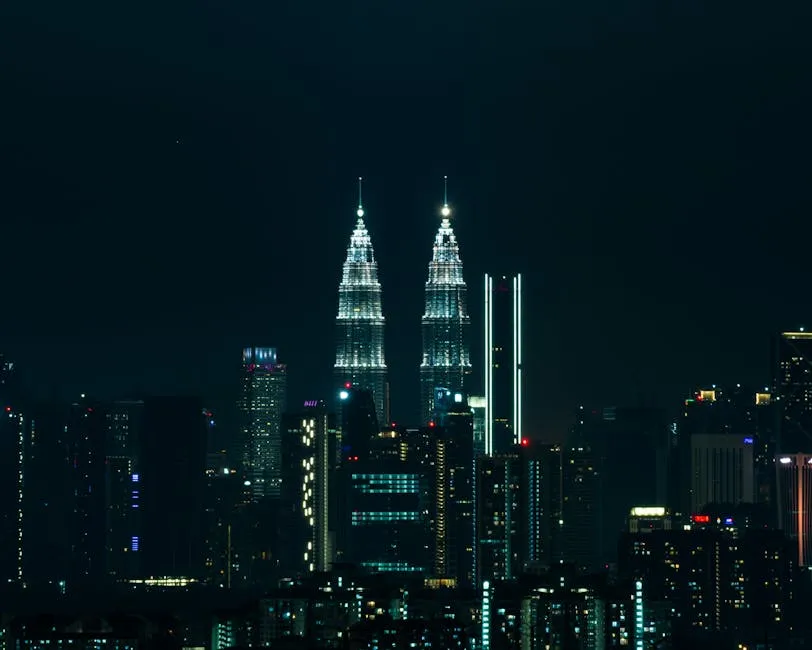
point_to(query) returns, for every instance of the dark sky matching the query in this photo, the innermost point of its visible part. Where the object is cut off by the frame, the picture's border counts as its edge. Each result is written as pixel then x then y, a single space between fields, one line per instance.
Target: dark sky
pixel 177 180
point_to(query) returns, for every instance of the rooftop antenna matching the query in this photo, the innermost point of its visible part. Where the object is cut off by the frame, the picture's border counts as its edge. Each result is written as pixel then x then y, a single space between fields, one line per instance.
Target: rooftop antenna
pixel 446 211
pixel 360 211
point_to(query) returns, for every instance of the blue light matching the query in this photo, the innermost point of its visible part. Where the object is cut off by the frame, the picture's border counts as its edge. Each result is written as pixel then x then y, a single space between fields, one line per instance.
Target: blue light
pixel 748 441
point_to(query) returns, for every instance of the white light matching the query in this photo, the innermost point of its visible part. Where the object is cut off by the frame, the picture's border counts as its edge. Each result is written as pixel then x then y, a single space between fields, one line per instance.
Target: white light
pixel 445 211
pixel 458 397
pixel 648 511
pixel 343 394
pixel 360 212
pixel 786 460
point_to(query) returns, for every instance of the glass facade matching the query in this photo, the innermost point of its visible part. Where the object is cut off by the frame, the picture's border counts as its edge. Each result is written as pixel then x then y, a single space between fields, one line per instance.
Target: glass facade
pixel 446 357
pixel 360 322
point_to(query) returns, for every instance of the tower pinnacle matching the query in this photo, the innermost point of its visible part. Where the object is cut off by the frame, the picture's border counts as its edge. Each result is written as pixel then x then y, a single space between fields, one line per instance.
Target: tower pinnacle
pixel 360 211
pixel 446 211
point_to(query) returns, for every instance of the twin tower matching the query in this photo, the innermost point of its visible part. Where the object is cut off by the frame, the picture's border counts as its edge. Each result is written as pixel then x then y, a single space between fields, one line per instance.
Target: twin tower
pixel 360 357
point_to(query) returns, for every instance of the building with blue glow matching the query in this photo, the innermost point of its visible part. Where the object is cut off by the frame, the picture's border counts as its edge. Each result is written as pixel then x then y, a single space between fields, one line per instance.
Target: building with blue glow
pixel 387 529
pixel 360 323
pixel 446 356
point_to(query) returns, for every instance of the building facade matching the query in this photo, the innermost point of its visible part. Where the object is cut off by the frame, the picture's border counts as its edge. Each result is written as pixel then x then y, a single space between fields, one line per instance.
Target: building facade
pixel 262 403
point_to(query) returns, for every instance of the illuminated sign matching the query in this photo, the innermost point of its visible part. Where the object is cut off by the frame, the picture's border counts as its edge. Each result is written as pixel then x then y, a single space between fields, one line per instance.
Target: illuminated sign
pixel 728 521
pixel 700 519
pixel 311 403
pixel 748 441
pixel 648 511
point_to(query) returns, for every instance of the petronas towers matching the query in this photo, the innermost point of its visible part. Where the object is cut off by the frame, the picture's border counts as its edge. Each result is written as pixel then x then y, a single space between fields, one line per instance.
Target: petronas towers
pixel 360 357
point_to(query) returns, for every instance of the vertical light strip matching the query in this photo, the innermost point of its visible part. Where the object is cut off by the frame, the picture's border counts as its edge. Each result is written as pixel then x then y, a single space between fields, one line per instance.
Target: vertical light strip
pixel 488 366
pixel 639 616
pixel 517 358
pixel 486 616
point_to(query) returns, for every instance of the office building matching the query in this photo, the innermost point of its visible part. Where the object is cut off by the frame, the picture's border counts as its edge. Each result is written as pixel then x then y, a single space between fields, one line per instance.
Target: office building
pixel 386 528
pixel 721 469
pixel 316 466
pixel 453 524
pixel 262 403
pixel 446 357
pixel 581 530
pixel 360 358
pixel 498 541
pixel 542 504
pixel 503 362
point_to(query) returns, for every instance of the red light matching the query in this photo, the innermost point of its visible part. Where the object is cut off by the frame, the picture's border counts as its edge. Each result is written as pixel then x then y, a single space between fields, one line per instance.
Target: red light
pixel 8 409
pixel 700 519
pixel 348 385
pixel 431 424
pixel 525 442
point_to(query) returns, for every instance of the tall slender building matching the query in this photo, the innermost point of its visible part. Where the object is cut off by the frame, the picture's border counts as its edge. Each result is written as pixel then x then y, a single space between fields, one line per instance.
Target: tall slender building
pixel 446 359
pixel 503 363
pixel 360 322
pixel 263 400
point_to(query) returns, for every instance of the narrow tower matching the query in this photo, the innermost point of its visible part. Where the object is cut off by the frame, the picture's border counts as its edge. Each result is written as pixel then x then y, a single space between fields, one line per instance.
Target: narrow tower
pixel 446 359
pixel 503 363
pixel 360 323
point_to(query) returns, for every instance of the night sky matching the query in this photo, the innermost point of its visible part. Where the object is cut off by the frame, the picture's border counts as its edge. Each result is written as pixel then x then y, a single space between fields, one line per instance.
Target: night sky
pixel 177 180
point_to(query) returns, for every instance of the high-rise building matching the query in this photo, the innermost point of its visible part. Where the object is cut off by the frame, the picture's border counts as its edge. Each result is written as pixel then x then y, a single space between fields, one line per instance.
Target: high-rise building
pixel 498 543
pixel 794 480
pixel 721 469
pixel 171 488
pixel 454 494
pixel 542 483
pixel 581 531
pixel 87 435
pixel 316 465
pixel 262 403
pixel 742 414
pixel 15 434
pixel 123 428
pixel 446 356
pixel 360 323
pixel 792 390
pixel 503 362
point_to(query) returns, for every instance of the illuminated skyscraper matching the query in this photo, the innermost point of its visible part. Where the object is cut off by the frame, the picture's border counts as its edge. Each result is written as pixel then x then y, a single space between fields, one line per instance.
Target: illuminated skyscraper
pixel 446 360
pixel 359 342
pixel 503 363
pixel 263 399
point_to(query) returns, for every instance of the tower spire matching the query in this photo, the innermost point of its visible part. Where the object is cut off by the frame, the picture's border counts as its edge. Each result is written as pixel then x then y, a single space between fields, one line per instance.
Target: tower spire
pixel 360 211
pixel 446 211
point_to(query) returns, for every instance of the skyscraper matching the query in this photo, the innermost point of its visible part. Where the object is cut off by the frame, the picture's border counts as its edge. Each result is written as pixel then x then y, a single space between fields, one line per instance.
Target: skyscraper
pixel 792 390
pixel 360 322
pixel 446 360
pixel 503 363
pixel 264 391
